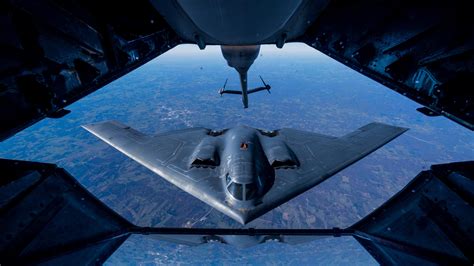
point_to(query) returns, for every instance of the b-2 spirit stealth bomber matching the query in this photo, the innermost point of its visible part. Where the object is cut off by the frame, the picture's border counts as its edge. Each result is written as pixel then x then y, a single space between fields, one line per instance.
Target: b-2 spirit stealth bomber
pixel 244 172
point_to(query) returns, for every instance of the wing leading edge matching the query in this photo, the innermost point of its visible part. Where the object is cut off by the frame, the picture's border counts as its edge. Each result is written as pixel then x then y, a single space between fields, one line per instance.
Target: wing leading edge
pixel 320 157
pixel 170 156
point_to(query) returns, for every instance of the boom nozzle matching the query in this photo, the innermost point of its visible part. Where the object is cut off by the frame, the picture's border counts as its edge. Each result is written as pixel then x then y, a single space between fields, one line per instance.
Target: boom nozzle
pixel 221 90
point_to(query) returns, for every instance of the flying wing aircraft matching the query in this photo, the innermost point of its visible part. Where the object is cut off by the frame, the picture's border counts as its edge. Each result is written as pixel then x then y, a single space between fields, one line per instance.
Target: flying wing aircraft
pixel 244 172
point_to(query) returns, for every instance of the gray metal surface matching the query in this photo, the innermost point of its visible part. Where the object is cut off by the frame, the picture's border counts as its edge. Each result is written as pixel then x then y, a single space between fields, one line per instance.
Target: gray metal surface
pixel 241 171
pixel 56 52
pixel 242 22
pixel 241 58
pixel 239 241
pixel 424 50
pixel 429 222
pixel 48 218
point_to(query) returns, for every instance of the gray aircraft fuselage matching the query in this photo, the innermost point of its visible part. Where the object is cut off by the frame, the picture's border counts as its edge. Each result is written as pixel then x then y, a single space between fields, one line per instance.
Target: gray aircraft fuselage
pixel 248 174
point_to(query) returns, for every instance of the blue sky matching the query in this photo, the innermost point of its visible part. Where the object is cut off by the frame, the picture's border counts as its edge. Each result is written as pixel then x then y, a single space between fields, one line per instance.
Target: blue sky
pixel 295 49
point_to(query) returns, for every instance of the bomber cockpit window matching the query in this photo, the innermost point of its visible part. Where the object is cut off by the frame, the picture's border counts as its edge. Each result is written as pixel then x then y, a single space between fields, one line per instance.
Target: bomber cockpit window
pixel 235 190
pixel 241 191
pixel 250 191
pixel 227 179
